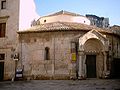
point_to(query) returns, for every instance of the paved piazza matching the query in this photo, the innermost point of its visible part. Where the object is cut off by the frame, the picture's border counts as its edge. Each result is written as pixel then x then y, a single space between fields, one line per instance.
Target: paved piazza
pixel 92 84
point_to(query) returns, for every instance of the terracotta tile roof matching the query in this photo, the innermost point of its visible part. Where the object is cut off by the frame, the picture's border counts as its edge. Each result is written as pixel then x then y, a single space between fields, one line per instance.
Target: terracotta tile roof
pixel 62 26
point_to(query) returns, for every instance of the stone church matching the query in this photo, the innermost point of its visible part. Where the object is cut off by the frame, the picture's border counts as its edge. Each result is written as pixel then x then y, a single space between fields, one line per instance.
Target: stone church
pixel 59 46
pixel 62 45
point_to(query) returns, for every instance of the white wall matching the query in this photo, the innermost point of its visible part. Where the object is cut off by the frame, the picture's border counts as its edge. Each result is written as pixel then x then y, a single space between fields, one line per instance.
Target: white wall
pixel 65 18
pixel 27 13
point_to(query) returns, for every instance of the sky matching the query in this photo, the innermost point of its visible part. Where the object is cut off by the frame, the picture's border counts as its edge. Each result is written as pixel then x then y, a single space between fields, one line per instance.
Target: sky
pixel 103 8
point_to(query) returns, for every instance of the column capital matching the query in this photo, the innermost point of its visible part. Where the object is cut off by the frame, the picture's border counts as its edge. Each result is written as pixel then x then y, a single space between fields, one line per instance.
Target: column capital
pixel 81 52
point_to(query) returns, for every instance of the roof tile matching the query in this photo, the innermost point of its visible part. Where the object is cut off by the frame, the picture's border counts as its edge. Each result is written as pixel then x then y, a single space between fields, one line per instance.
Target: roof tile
pixel 62 26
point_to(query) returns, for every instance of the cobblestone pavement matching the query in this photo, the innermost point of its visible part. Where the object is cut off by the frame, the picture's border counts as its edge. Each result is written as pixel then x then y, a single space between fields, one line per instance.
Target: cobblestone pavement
pixel 93 84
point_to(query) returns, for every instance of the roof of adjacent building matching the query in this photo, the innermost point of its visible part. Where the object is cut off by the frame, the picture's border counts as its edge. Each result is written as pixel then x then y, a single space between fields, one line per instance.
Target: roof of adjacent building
pixel 115 29
pixel 62 26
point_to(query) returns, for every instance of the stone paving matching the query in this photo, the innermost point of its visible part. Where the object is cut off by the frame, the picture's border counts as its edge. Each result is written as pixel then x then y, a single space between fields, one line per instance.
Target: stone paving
pixel 92 84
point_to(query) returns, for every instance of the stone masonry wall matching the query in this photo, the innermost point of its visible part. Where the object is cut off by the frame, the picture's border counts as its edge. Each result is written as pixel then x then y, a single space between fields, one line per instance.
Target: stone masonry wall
pixel 33 49
pixel 60 66
pixel 8 44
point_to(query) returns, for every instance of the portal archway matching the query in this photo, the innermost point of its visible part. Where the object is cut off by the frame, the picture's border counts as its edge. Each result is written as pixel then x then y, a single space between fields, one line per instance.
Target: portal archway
pixel 93 45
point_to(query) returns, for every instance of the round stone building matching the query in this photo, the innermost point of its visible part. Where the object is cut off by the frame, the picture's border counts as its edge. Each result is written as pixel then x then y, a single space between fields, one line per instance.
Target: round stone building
pixel 60 48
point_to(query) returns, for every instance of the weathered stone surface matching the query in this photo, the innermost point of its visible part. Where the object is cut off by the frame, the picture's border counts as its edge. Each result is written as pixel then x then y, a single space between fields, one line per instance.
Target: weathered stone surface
pixel 60 65
pixel 8 44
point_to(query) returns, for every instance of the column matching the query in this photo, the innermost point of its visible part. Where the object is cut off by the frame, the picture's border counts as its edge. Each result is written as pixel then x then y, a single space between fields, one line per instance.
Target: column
pixel 106 73
pixel 81 66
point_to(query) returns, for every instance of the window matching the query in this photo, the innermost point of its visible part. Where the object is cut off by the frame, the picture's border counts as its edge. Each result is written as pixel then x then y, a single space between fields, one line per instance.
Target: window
pixel 47 53
pixel 2 56
pixel 2 29
pixel 44 20
pixel 3 4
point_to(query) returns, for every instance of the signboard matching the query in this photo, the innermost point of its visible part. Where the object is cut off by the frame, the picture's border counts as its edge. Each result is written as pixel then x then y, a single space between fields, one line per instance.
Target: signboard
pixel 73 56
pixel 19 73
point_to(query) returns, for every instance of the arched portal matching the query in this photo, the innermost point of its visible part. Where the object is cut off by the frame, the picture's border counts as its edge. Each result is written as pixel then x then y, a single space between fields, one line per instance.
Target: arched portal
pixel 93 47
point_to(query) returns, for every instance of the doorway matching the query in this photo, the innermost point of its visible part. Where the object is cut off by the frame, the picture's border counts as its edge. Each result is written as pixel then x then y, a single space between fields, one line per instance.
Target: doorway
pixel 2 57
pixel 91 66
pixel 115 68
pixel 1 71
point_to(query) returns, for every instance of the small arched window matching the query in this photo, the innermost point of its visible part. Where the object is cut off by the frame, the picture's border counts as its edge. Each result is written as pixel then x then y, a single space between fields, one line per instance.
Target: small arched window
pixel 47 53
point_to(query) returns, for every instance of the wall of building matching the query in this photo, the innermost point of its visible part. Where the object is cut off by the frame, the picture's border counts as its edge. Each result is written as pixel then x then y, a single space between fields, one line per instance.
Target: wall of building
pixel 114 46
pixel 114 56
pixel 60 66
pixel 64 18
pixel 10 16
pixel 33 51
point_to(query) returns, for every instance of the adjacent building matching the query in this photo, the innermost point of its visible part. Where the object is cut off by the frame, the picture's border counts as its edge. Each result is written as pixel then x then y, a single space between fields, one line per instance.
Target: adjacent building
pixel 11 20
pixel 9 17
pixel 100 22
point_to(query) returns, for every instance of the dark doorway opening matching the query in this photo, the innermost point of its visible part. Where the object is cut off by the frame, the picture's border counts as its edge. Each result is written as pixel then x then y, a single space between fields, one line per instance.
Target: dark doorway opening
pixel 91 66
pixel 1 71
pixel 115 68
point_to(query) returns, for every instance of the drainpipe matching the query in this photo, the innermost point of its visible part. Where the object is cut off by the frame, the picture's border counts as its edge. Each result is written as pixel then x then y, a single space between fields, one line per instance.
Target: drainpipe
pixel 21 49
